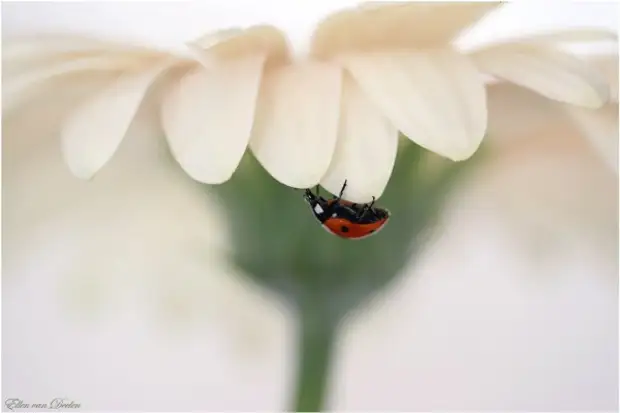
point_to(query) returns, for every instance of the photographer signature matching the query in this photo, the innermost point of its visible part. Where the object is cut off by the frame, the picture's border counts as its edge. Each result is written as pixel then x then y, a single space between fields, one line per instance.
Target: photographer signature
pixel 55 404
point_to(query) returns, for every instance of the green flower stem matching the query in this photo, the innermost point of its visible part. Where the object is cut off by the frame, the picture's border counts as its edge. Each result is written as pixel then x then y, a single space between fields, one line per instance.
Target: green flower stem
pixel 316 342
pixel 278 244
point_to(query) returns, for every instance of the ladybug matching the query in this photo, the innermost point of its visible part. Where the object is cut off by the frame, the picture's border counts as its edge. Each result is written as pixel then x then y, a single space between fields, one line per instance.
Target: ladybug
pixel 346 219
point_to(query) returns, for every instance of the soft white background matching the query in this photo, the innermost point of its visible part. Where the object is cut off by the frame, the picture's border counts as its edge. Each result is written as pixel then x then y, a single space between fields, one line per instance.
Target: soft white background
pixel 482 325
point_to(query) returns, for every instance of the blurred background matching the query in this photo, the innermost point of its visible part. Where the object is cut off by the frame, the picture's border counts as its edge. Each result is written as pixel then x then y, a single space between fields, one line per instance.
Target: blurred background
pixel 105 302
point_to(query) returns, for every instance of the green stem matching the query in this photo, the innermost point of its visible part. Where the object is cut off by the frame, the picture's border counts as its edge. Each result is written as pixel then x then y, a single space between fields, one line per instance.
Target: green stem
pixel 315 345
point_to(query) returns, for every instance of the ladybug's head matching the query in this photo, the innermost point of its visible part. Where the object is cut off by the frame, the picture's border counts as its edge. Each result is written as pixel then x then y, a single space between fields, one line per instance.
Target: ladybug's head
pixel 310 197
pixel 316 202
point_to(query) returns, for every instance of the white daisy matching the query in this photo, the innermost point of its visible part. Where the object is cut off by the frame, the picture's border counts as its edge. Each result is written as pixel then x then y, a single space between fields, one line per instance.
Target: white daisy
pixel 372 72
pixel 165 221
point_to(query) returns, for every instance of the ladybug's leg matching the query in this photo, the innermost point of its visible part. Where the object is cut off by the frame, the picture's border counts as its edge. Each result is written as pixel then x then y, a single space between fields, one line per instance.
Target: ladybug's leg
pixel 366 208
pixel 372 203
pixel 337 198
pixel 342 190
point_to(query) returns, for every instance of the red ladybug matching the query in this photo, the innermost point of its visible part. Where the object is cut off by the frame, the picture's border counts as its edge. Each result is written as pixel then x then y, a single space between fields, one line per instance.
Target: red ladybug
pixel 347 219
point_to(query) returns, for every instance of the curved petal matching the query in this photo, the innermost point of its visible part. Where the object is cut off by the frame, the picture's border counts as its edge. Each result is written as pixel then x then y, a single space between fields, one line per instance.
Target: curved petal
pixel 554 38
pixel 607 66
pixel 296 122
pixel 92 133
pixel 35 47
pixel 436 98
pixel 234 43
pixel 23 55
pixel 15 88
pixel 366 148
pixel 574 35
pixel 600 127
pixel 208 117
pixel 550 72
pixel 395 26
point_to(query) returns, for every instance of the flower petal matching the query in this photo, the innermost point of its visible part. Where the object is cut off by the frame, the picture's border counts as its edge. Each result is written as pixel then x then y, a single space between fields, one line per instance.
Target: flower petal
pixel 395 26
pixel 16 88
pixel 296 122
pixel 550 72
pixel 92 133
pixel 574 35
pixel 436 98
pixel 563 37
pixel 234 43
pixel 607 66
pixel 36 47
pixel 516 113
pixel 600 127
pixel 208 117
pixel 366 148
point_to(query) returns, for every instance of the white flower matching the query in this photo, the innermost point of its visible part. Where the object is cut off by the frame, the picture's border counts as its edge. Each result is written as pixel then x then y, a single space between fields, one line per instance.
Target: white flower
pixel 600 126
pixel 544 181
pixel 371 72
pixel 57 226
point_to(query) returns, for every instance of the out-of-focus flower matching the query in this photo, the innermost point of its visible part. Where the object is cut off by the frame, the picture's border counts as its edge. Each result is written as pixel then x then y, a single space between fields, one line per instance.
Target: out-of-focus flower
pixel 551 174
pixel 600 125
pixel 372 71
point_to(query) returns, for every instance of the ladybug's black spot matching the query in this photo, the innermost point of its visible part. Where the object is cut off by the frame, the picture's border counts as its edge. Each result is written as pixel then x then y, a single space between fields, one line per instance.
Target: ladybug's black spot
pixel 344 229
pixel 371 231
